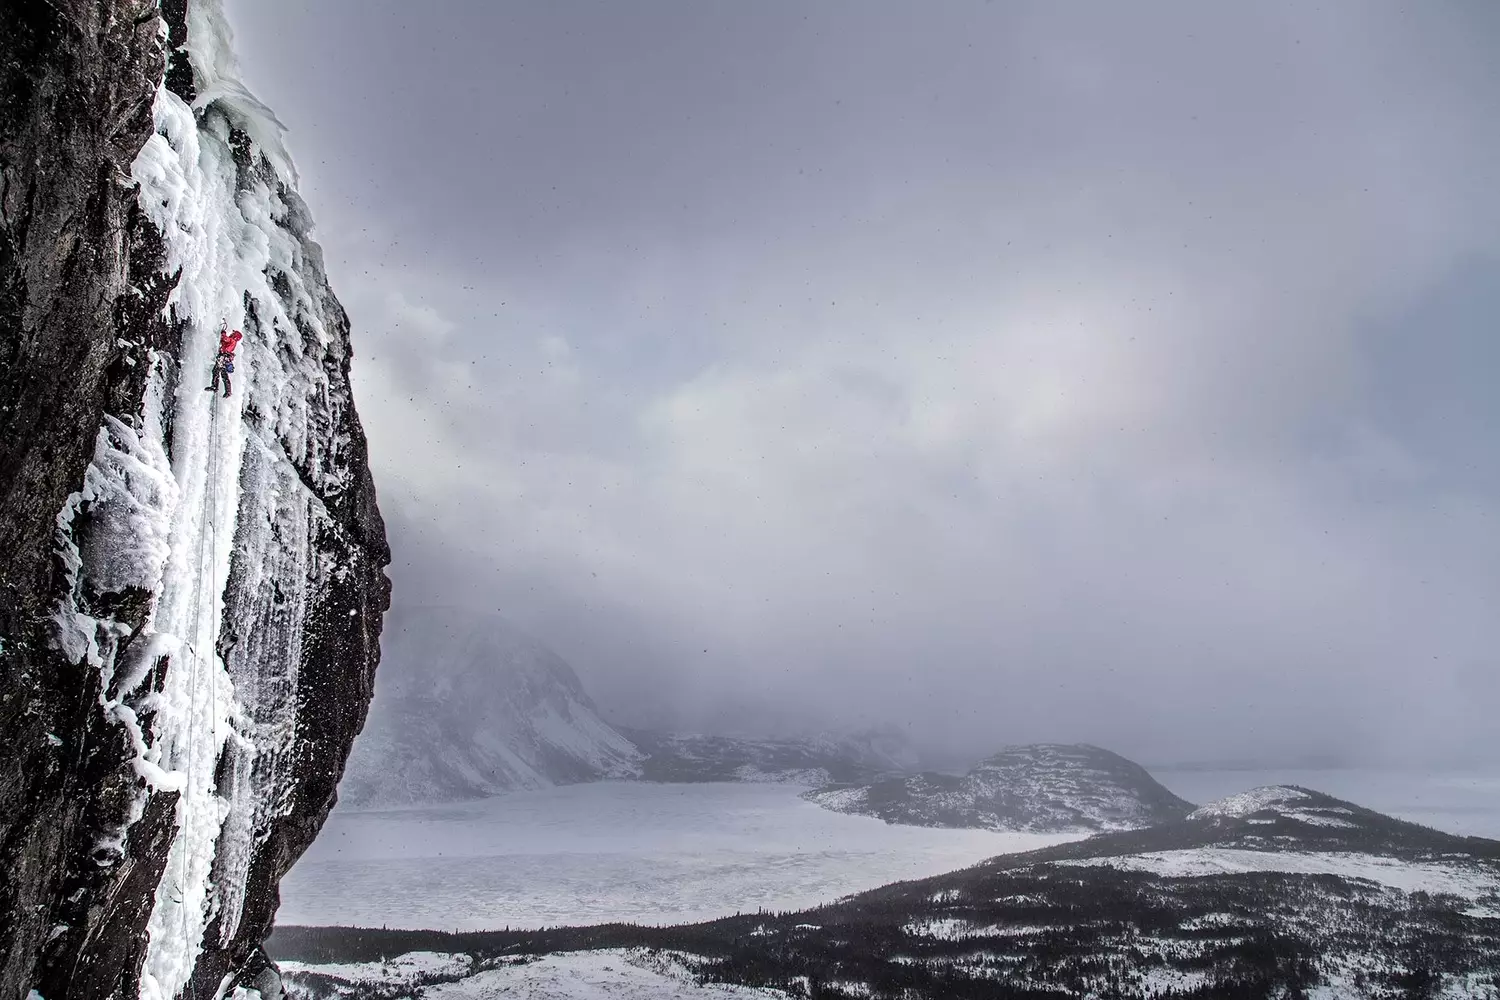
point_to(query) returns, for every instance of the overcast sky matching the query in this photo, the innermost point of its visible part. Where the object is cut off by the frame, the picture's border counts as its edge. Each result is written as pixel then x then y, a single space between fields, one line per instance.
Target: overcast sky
pixel 1008 371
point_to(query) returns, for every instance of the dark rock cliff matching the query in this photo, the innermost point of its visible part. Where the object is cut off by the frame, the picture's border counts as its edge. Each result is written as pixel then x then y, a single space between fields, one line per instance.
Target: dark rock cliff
pixel 191 589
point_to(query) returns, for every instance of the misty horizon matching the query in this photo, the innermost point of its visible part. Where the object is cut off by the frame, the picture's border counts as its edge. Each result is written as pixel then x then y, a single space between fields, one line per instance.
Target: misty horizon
pixel 406 669
pixel 1004 372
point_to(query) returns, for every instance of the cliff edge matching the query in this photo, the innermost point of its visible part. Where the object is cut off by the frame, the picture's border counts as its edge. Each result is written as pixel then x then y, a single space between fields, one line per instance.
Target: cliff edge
pixel 191 586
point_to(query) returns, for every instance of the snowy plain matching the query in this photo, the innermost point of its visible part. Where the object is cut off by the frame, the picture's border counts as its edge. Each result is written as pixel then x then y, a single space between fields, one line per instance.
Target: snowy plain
pixel 612 851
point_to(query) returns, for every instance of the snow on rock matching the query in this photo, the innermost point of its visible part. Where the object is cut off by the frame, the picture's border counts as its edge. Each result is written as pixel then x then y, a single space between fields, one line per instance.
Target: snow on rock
pixel 222 561
pixel 1247 804
pixel 216 79
pixel 468 706
pixel 87 497
pixel 1261 806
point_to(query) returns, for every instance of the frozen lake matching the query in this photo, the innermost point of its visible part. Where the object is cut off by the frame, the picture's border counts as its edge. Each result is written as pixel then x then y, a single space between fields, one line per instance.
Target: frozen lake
pixel 613 851
pixel 1451 801
pixel 634 851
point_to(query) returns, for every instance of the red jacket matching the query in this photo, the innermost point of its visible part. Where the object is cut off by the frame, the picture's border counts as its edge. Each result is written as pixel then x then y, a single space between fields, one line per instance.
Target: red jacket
pixel 229 341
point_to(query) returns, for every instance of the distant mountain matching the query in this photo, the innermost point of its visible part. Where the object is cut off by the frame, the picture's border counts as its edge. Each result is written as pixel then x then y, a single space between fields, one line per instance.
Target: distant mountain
pixel 819 760
pixel 1044 787
pixel 468 706
pixel 1279 892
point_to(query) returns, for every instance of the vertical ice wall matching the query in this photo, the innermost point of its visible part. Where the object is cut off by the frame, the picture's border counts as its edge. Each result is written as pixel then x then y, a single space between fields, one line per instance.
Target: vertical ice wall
pixel 243 530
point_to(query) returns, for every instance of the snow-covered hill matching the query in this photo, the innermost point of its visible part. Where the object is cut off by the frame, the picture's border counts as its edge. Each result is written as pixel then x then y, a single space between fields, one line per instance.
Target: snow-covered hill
pixel 1044 787
pixel 469 706
pixel 1270 801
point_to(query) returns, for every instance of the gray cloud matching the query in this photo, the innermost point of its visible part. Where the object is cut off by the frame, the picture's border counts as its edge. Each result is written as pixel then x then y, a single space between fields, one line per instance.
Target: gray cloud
pixel 1007 370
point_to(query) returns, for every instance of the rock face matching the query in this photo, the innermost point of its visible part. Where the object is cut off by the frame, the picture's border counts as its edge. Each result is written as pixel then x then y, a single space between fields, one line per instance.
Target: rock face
pixel 469 707
pixel 1041 788
pixel 191 588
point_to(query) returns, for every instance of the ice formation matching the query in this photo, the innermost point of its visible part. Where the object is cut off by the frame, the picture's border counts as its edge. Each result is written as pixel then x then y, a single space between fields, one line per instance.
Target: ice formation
pixel 214 511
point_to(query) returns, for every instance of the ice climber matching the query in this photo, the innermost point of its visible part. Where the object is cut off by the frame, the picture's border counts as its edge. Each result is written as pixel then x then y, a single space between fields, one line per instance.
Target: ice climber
pixel 224 363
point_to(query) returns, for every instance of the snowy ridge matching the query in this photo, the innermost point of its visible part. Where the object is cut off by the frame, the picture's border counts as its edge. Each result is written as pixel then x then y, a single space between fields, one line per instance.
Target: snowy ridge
pixel 467 707
pixel 213 513
pixel 1041 788
pixel 1278 800
pixel 1246 804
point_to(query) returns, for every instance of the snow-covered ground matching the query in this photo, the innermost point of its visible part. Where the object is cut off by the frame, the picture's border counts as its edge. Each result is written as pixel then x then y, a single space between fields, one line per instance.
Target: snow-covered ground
pixel 409 969
pixel 1477 883
pixel 611 851
pixel 616 974
pixel 1463 802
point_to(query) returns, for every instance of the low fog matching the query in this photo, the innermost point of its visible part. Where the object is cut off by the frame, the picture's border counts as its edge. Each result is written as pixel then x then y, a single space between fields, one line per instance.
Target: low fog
pixel 1003 371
